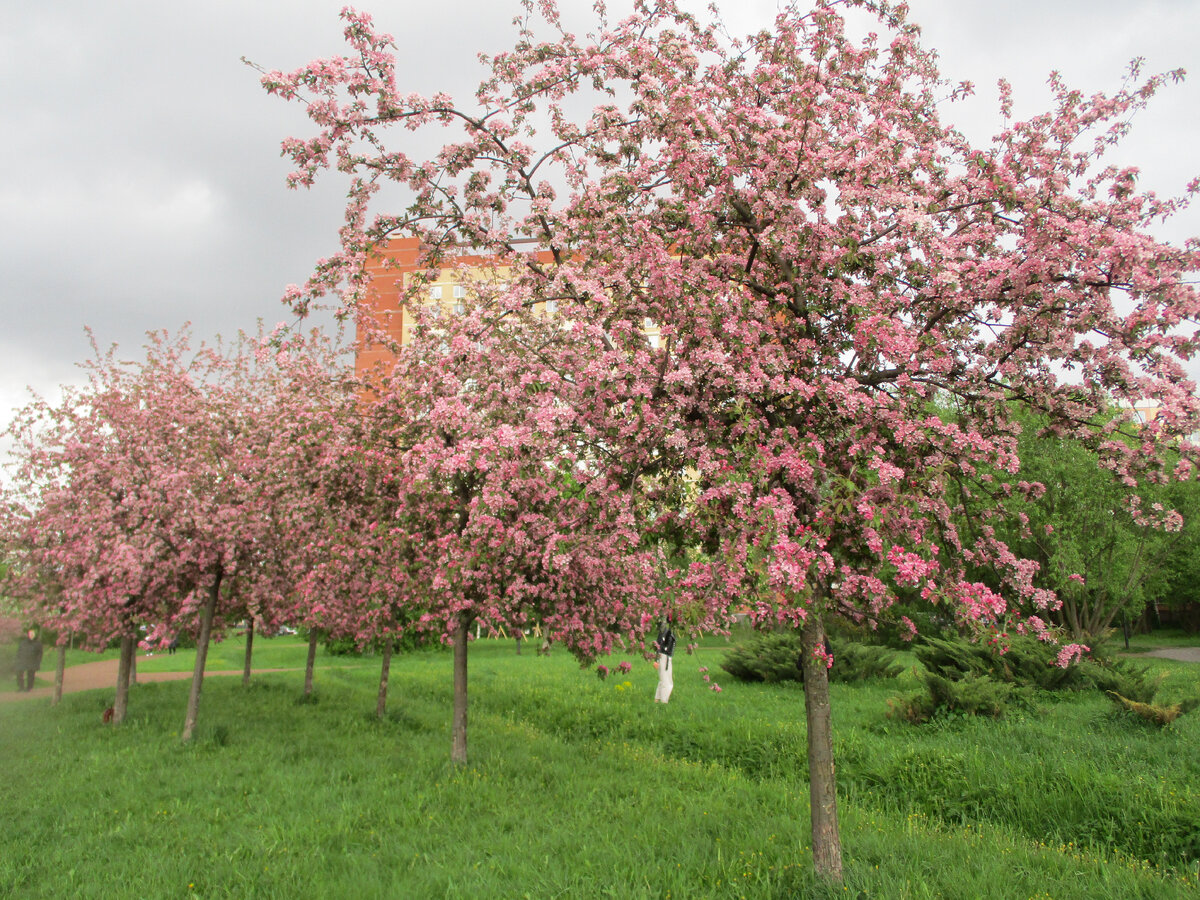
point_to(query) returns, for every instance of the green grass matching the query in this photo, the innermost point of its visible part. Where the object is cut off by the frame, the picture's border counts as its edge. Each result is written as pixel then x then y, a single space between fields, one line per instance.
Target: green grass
pixel 581 788
pixel 284 652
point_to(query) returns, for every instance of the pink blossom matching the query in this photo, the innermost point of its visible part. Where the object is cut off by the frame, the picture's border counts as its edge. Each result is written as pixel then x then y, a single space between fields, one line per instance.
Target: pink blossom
pixel 821 653
pixel 1070 652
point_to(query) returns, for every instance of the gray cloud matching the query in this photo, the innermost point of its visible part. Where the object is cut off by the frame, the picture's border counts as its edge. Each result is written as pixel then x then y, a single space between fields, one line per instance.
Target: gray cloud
pixel 141 184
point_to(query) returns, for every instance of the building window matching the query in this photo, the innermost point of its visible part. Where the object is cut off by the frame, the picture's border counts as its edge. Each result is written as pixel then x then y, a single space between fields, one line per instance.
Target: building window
pixel 435 292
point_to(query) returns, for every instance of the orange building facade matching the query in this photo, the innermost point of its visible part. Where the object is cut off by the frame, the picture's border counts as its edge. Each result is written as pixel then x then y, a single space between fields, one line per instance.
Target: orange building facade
pixel 390 273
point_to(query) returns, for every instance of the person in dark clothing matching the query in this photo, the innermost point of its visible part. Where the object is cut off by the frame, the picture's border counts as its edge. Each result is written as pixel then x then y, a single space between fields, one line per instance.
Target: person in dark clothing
pixel 665 645
pixel 29 660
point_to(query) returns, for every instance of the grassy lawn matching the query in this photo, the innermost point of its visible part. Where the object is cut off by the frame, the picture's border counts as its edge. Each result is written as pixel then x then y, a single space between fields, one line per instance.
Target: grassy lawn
pixel 581 788
pixel 227 655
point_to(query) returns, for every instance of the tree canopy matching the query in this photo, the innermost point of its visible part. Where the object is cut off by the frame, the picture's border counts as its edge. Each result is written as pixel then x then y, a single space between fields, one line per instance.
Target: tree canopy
pixel 824 258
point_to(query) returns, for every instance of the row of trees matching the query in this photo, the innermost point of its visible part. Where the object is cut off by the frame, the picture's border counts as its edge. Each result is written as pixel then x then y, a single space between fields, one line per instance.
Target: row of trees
pixel 152 500
pixel 199 487
pixel 852 301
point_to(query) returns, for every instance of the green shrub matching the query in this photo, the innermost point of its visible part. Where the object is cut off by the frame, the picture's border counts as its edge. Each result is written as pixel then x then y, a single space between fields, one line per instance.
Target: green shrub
pixel 774 656
pixel 768 656
pixel 962 676
pixel 1023 661
pixel 1118 676
pixel 971 694
pixel 342 646
pixel 861 662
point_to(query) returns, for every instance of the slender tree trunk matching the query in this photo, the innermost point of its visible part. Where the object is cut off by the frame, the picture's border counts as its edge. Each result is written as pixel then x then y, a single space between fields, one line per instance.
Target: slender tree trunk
pixel 249 651
pixel 1072 617
pixel 822 782
pixel 59 665
pixel 1101 616
pixel 458 746
pixel 384 670
pixel 313 637
pixel 206 620
pixel 121 703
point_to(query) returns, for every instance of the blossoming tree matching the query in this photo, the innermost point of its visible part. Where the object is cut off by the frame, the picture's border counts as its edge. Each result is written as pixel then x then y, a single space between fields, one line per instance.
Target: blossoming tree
pixel 86 503
pixel 145 496
pixel 824 258
pixel 495 513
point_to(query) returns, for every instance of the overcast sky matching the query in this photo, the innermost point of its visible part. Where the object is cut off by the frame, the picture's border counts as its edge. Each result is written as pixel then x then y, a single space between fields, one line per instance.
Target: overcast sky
pixel 141 185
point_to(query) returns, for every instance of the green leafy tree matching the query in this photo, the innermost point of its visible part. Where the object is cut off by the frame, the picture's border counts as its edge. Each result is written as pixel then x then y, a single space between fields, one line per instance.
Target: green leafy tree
pixel 1101 542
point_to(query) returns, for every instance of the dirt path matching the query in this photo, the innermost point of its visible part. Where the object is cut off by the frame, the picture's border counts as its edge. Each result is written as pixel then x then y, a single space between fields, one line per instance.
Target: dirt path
pixel 1183 654
pixel 103 674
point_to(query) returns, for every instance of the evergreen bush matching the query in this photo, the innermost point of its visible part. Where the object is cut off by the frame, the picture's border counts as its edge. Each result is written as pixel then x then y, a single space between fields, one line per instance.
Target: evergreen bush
pixel 1023 661
pixel 963 676
pixel 971 694
pixel 774 656
pixel 1117 676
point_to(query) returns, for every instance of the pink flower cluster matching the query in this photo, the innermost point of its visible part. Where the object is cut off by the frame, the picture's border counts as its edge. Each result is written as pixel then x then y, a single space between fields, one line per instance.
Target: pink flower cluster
pixel 712 685
pixel 1069 653
pixel 822 653
pixel 980 603
pixel 910 567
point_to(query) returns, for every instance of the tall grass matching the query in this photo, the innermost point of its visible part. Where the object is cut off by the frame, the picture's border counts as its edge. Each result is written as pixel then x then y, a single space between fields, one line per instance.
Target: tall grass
pixel 580 788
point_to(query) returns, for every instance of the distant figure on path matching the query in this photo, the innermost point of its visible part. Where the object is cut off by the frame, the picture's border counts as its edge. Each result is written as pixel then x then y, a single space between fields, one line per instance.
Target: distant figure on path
pixel 665 645
pixel 29 660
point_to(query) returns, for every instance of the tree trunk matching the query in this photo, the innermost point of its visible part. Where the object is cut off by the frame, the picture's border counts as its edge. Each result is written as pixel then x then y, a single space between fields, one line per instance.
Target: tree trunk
pixel 381 702
pixel 206 619
pixel 458 745
pixel 249 651
pixel 1072 618
pixel 121 703
pixel 59 665
pixel 822 783
pixel 313 636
